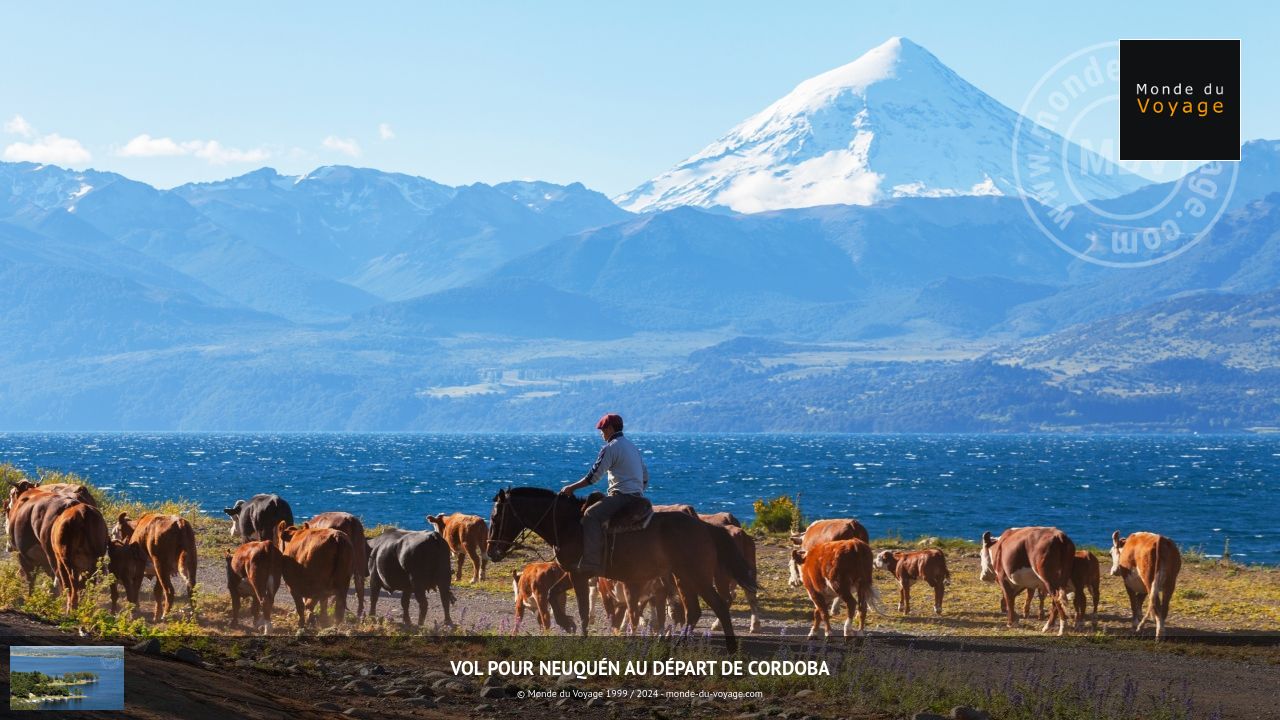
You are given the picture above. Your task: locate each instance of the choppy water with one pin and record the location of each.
(1198, 490)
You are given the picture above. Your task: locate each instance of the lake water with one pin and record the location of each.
(1198, 490)
(106, 694)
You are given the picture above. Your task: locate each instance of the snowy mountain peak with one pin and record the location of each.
(895, 122)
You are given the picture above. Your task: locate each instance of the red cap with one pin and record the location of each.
(610, 420)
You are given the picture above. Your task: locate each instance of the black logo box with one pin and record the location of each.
(1185, 68)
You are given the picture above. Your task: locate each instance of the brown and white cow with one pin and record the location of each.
(169, 544)
(77, 541)
(466, 536)
(1030, 557)
(1149, 565)
(316, 565)
(838, 570)
(351, 525)
(254, 570)
(909, 567)
(1085, 577)
(820, 531)
(542, 587)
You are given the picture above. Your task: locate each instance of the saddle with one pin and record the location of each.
(630, 520)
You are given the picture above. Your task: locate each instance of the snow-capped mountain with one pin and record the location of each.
(896, 122)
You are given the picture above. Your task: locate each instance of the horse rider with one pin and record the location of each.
(628, 479)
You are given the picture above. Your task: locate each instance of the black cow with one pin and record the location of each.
(257, 518)
(411, 563)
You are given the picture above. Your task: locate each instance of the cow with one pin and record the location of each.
(411, 563)
(77, 541)
(351, 525)
(169, 544)
(722, 519)
(1084, 577)
(837, 570)
(29, 524)
(71, 490)
(542, 587)
(127, 563)
(1149, 565)
(254, 570)
(258, 518)
(820, 531)
(624, 603)
(466, 535)
(316, 565)
(909, 567)
(1030, 557)
(724, 582)
(685, 508)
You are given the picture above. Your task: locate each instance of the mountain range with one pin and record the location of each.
(885, 278)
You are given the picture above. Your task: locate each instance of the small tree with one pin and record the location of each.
(779, 515)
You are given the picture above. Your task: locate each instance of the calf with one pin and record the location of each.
(1149, 564)
(911, 567)
(542, 587)
(837, 570)
(257, 518)
(351, 525)
(624, 603)
(169, 544)
(820, 531)
(1030, 557)
(254, 570)
(466, 535)
(316, 565)
(410, 563)
(78, 540)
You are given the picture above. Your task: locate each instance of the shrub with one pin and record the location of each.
(779, 515)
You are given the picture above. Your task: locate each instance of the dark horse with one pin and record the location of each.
(674, 543)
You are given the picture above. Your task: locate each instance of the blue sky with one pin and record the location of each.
(606, 94)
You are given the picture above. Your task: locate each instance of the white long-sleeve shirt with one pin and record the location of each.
(621, 459)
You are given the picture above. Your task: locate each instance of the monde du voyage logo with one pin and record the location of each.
(1177, 103)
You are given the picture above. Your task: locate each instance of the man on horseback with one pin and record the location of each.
(628, 479)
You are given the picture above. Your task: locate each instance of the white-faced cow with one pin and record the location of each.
(820, 531)
(258, 517)
(542, 587)
(839, 570)
(1149, 564)
(1030, 557)
(911, 567)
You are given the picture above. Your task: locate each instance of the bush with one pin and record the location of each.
(779, 515)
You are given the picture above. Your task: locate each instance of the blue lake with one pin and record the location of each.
(106, 694)
(1199, 490)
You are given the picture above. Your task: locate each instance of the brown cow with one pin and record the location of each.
(316, 565)
(351, 525)
(77, 541)
(169, 544)
(1149, 564)
(127, 563)
(820, 531)
(624, 603)
(1030, 557)
(685, 508)
(466, 535)
(910, 567)
(254, 571)
(613, 601)
(837, 570)
(724, 582)
(1084, 577)
(29, 524)
(542, 587)
(723, 519)
(71, 490)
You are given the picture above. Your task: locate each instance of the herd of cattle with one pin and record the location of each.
(58, 528)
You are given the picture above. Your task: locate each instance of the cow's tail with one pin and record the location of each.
(187, 555)
(946, 576)
(873, 599)
(730, 558)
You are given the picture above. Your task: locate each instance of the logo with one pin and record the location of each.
(1125, 213)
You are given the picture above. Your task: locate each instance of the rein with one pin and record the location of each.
(527, 528)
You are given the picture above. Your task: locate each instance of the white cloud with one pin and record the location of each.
(385, 132)
(211, 151)
(19, 126)
(346, 146)
(52, 148)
